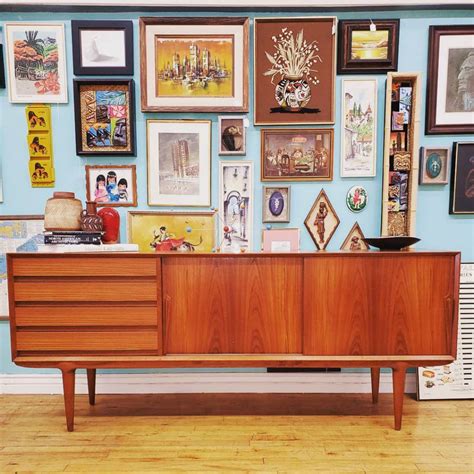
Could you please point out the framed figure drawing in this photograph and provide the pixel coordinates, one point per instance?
(462, 179)
(450, 90)
(232, 130)
(294, 70)
(194, 64)
(36, 62)
(276, 204)
(105, 117)
(102, 48)
(179, 162)
(434, 165)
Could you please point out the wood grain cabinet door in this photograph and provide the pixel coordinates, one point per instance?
(232, 305)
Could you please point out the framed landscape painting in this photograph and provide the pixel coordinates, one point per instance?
(36, 60)
(194, 64)
(179, 162)
(462, 179)
(294, 70)
(450, 89)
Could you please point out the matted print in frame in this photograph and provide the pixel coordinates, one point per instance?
(36, 62)
(450, 80)
(194, 64)
(105, 117)
(434, 165)
(355, 239)
(276, 204)
(461, 199)
(294, 70)
(290, 154)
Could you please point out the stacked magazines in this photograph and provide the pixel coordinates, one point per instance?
(72, 237)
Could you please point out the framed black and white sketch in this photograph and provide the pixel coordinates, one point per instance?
(276, 204)
(102, 48)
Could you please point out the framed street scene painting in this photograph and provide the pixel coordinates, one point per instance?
(194, 64)
(102, 48)
(105, 117)
(294, 70)
(450, 84)
(434, 165)
(179, 162)
(359, 135)
(462, 179)
(276, 204)
(232, 130)
(36, 62)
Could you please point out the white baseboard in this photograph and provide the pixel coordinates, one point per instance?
(342, 382)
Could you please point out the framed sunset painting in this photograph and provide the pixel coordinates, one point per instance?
(194, 64)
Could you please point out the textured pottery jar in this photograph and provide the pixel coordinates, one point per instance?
(63, 212)
(293, 93)
(111, 225)
(90, 221)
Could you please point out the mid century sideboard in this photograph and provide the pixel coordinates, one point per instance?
(324, 309)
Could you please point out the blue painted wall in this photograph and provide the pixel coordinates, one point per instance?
(436, 228)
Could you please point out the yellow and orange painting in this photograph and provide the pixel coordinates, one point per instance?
(369, 44)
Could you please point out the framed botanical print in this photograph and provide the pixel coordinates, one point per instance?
(179, 162)
(450, 90)
(102, 48)
(194, 64)
(297, 154)
(367, 47)
(434, 165)
(105, 117)
(36, 62)
(232, 130)
(294, 70)
(276, 204)
(462, 179)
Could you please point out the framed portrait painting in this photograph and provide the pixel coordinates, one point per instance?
(294, 70)
(232, 130)
(276, 204)
(194, 64)
(450, 90)
(36, 62)
(434, 165)
(301, 154)
(102, 48)
(367, 47)
(105, 117)
(462, 179)
(179, 162)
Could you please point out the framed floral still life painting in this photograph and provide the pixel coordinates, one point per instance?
(194, 64)
(232, 130)
(434, 165)
(450, 84)
(462, 179)
(105, 117)
(294, 70)
(367, 47)
(36, 62)
(179, 162)
(296, 154)
(276, 204)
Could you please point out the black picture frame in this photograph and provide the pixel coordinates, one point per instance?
(462, 179)
(129, 83)
(79, 25)
(347, 65)
(2, 69)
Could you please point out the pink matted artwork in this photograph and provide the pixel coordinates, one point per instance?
(281, 240)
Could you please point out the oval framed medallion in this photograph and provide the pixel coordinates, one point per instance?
(357, 198)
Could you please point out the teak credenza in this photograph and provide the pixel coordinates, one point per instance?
(341, 309)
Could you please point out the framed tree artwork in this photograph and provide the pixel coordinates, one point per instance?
(105, 117)
(294, 70)
(194, 64)
(367, 47)
(462, 179)
(450, 90)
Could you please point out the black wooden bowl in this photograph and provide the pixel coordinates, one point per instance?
(391, 243)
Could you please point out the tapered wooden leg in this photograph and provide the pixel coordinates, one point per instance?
(69, 378)
(375, 379)
(398, 374)
(91, 385)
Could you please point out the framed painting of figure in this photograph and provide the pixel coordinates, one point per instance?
(36, 62)
(462, 179)
(102, 48)
(105, 117)
(232, 132)
(194, 64)
(294, 70)
(450, 83)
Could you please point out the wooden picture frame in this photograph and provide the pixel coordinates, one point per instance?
(449, 71)
(354, 241)
(232, 143)
(351, 62)
(200, 32)
(461, 190)
(117, 195)
(279, 210)
(434, 165)
(118, 38)
(114, 117)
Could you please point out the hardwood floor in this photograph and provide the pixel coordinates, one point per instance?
(235, 432)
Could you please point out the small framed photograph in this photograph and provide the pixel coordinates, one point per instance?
(232, 131)
(281, 240)
(276, 204)
(102, 48)
(112, 185)
(462, 179)
(434, 165)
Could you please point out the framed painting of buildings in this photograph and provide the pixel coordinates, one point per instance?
(179, 162)
(462, 179)
(194, 64)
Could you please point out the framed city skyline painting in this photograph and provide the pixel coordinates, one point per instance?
(194, 64)
(294, 70)
(179, 162)
(36, 62)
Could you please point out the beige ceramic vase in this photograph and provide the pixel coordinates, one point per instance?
(63, 212)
